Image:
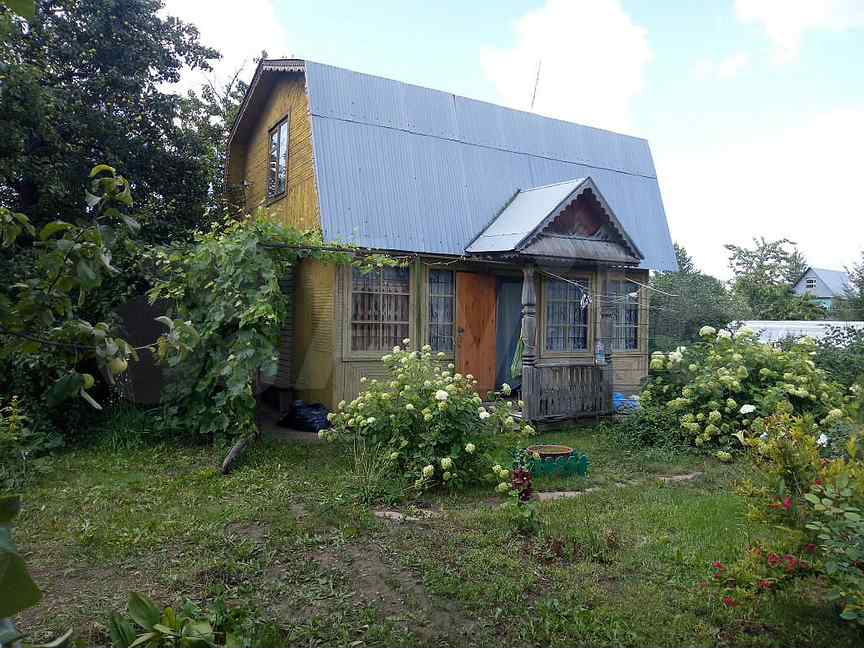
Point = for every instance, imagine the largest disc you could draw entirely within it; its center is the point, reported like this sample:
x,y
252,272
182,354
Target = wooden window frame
x,y
588,352
427,298
620,311
642,300
276,130
349,353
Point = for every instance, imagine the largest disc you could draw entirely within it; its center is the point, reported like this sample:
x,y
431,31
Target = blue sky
x,y
754,108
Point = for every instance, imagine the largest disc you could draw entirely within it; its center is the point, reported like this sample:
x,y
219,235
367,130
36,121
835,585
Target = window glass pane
x,y
625,296
441,306
273,165
380,308
283,157
566,319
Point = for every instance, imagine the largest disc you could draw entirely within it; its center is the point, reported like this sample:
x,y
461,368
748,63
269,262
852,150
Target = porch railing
x,y
564,391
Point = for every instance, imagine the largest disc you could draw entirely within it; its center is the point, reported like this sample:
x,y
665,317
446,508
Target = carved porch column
x,y
530,383
608,313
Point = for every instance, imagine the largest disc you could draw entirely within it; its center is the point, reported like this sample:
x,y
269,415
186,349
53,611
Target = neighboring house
x,y
825,287
515,225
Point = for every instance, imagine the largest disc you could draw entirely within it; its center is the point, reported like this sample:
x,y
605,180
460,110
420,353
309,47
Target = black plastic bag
x,y
307,418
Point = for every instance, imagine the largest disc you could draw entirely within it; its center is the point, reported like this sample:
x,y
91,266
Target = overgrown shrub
x,y
817,500
840,352
722,388
21,443
648,427
429,420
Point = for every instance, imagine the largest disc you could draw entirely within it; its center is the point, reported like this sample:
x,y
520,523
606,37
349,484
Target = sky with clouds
x,y
754,109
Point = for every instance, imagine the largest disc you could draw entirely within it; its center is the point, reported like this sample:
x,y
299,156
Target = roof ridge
x,y
483,101
562,182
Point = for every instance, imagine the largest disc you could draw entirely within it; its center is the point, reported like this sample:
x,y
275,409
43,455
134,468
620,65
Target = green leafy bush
x,y
429,420
839,526
817,500
722,388
191,626
21,443
840,352
226,308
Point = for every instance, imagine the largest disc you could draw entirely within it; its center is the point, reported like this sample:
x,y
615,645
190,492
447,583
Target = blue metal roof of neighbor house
x,y
401,167
836,280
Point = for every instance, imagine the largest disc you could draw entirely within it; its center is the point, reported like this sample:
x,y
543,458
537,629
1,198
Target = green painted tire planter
x,y
558,460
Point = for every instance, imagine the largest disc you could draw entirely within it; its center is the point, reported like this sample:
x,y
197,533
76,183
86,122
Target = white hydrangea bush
x,y
723,387
429,419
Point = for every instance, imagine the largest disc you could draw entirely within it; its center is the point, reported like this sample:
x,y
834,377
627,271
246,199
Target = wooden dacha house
x,y
530,238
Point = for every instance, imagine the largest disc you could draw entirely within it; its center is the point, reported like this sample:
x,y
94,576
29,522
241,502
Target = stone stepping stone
x,y
681,478
418,515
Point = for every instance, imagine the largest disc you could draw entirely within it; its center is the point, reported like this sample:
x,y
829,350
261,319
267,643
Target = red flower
x,y
787,503
765,584
719,566
818,481
810,548
773,560
728,601
791,562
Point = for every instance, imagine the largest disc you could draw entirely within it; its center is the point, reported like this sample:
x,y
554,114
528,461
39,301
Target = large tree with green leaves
x,y
684,301
853,303
86,81
762,279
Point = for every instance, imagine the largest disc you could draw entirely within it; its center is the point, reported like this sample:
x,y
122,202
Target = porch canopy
x,y
566,221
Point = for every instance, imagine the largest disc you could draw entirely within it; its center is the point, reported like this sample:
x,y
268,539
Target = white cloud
x,y
801,182
786,21
240,33
724,69
593,61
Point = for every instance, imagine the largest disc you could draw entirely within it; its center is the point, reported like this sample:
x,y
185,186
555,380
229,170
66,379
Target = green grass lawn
x,y
619,566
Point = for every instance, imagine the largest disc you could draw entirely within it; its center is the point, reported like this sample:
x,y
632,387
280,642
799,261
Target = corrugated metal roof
x,y
402,167
776,330
522,216
836,280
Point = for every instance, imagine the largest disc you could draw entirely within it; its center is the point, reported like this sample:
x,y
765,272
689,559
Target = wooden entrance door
x,y
475,328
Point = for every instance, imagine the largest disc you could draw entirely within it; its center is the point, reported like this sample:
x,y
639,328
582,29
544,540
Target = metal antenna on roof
x,y
536,83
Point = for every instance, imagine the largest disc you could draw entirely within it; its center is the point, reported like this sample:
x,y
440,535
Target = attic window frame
x,y
277,131
810,283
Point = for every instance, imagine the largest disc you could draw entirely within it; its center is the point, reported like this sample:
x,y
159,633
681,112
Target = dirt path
x,y
399,595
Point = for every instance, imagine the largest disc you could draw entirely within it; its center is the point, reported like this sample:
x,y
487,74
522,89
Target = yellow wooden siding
x,y
284,376
298,206
314,332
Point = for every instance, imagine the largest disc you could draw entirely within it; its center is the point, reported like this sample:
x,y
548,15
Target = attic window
x,y
810,283
278,162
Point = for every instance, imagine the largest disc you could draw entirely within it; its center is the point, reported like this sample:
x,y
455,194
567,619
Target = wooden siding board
x,y
314,339
298,206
